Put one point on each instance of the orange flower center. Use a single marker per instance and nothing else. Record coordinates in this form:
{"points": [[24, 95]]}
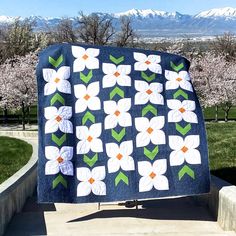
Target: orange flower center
{"points": [[85, 56], [149, 91], [117, 74], [58, 118], [60, 159], [179, 79], [91, 180], [150, 130], [148, 62], [86, 97], [119, 156], [56, 80], [182, 110], [90, 138], [117, 113], [184, 149], [152, 175]]}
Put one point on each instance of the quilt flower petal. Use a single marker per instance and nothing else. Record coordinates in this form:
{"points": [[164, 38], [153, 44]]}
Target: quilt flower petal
{"points": [[66, 168], [184, 150], [83, 189], [149, 131], [91, 181], [116, 74], [51, 168], [99, 173], [57, 80], [150, 62], [83, 147], [152, 175], [99, 188], [181, 111], [176, 80], [117, 113], [148, 92], [51, 152], [87, 97], [83, 174], [59, 160], [89, 138], [120, 156], [58, 118], [85, 58]]}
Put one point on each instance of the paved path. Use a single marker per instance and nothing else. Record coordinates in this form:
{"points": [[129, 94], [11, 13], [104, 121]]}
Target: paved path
{"points": [[177, 217], [17, 127]]}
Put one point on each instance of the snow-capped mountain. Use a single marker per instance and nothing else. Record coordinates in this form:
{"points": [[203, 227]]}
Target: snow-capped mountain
{"points": [[147, 13], [226, 12], [153, 23], [6, 19], [160, 23]]}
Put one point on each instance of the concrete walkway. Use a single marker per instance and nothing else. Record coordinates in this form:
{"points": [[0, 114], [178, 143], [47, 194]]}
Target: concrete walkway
{"points": [[17, 127], [177, 217]]}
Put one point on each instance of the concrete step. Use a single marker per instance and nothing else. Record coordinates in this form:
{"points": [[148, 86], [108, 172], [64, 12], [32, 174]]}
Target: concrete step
{"points": [[52, 223], [177, 217]]}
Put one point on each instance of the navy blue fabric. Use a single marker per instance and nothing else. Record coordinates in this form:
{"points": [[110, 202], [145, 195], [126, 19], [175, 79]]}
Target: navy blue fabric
{"points": [[187, 185]]}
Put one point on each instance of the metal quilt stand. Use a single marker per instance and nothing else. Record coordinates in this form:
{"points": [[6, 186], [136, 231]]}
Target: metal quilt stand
{"points": [[128, 204]]}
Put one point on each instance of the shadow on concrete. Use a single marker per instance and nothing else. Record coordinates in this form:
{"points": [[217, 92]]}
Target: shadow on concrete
{"points": [[30, 221], [166, 209], [227, 174]]}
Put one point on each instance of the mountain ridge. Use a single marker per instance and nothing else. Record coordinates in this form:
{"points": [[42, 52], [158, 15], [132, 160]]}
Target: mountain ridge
{"points": [[215, 12], [154, 23]]}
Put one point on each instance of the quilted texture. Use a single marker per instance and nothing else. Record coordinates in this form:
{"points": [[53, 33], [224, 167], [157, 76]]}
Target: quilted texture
{"points": [[118, 124]]}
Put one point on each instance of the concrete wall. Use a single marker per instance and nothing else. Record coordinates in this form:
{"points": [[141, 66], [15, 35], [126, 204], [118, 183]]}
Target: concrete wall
{"points": [[15, 190], [221, 201], [227, 208]]}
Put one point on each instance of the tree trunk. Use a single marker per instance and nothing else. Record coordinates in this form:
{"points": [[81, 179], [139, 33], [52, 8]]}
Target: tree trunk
{"points": [[216, 113], [23, 115], [5, 115], [226, 115], [226, 109], [28, 115]]}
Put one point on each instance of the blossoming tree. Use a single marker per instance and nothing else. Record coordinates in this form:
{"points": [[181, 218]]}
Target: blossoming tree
{"points": [[215, 81], [18, 84]]}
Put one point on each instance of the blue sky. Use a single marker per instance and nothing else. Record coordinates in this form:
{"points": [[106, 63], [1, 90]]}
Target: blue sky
{"points": [[72, 7]]}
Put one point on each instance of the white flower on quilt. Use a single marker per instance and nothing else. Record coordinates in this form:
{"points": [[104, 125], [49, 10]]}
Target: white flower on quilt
{"points": [[57, 80], [85, 58], [115, 75], [59, 160], [176, 80], [117, 113], [91, 181], [152, 175], [120, 156], [89, 138], [150, 62], [181, 110], [150, 131], [87, 97], [184, 150], [58, 119], [148, 92]]}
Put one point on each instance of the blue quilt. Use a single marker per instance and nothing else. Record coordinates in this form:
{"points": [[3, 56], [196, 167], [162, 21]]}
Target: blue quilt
{"points": [[118, 124]]}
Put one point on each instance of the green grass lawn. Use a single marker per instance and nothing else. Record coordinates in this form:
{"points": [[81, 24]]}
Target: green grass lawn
{"points": [[222, 150], [209, 113], [14, 154]]}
